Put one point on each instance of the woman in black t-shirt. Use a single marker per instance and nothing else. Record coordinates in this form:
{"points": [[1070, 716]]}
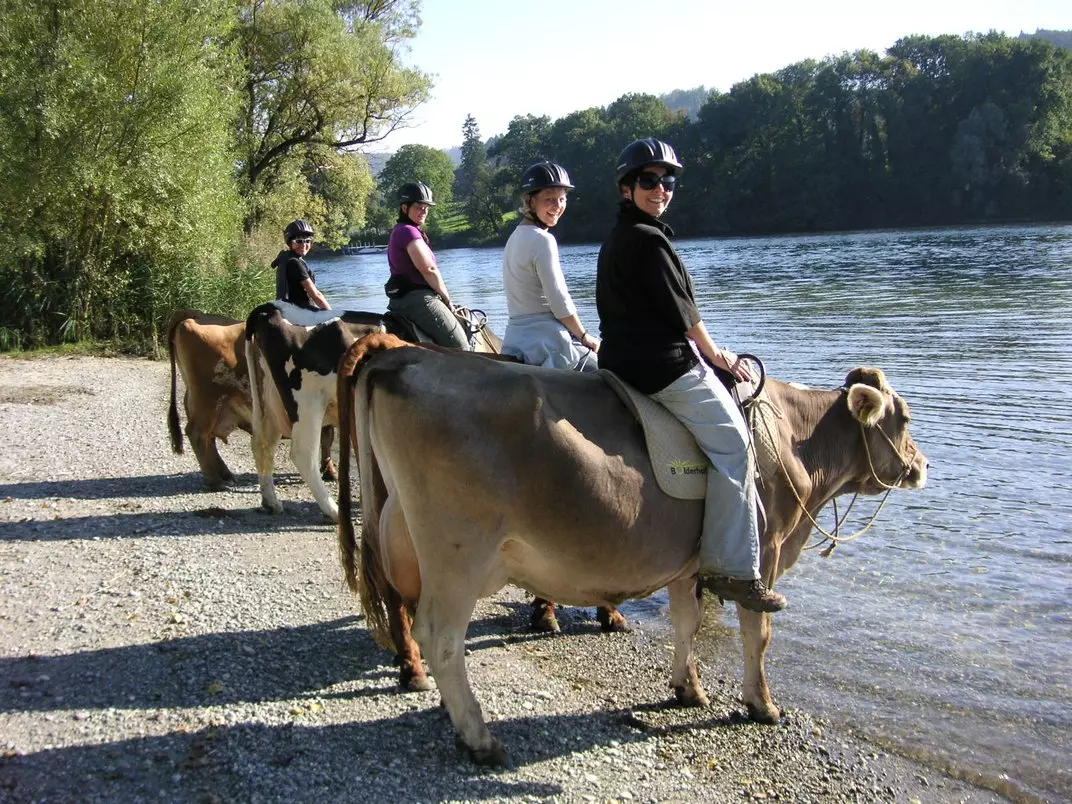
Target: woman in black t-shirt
{"points": [[295, 281]]}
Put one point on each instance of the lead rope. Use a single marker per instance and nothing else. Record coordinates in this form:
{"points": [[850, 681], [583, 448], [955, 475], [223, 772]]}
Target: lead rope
{"points": [[835, 538]]}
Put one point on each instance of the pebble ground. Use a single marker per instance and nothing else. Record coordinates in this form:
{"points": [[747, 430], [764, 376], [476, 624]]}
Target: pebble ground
{"points": [[160, 642]]}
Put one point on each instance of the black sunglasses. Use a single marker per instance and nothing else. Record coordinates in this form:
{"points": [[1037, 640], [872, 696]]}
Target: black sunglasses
{"points": [[649, 181], [305, 240]]}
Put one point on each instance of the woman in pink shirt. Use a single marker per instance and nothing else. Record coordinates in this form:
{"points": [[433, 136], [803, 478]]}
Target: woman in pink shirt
{"points": [[416, 289]]}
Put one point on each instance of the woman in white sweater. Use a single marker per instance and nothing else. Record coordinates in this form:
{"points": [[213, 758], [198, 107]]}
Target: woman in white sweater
{"points": [[544, 329]]}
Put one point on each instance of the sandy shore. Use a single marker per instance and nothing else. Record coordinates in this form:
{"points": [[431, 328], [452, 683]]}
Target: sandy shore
{"points": [[162, 642]]}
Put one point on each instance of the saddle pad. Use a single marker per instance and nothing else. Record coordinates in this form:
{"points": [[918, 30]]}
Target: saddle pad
{"points": [[301, 317], [680, 466]]}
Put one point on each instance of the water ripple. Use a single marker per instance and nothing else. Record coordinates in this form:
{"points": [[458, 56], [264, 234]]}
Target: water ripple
{"points": [[957, 602]]}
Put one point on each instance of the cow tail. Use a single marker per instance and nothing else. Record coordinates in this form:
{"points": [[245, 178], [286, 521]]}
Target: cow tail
{"points": [[347, 376], [174, 428], [368, 580]]}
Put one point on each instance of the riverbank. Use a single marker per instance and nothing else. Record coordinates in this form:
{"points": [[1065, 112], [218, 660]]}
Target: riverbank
{"points": [[158, 641]]}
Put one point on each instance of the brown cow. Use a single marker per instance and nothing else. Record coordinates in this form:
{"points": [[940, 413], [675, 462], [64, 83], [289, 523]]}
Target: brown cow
{"points": [[209, 353], [475, 474]]}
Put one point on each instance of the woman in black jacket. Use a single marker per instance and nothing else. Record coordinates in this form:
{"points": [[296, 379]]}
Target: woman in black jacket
{"points": [[654, 338]]}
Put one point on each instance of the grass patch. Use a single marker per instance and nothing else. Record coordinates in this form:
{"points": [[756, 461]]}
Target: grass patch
{"points": [[81, 349], [451, 219]]}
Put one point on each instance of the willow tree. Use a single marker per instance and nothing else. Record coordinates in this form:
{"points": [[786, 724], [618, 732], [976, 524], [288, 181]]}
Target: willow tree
{"points": [[116, 171], [318, 77]]}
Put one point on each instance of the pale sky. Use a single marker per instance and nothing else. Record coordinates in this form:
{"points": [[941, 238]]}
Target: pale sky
{"points": [[496, 59]]}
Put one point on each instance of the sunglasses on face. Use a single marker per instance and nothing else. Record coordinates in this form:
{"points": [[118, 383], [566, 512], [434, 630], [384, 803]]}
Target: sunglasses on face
{"points": [[649, 181], [303, 240]]}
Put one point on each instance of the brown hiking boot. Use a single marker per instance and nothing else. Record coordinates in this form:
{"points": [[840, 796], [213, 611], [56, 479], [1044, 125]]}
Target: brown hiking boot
{"points": [[752, 594]]}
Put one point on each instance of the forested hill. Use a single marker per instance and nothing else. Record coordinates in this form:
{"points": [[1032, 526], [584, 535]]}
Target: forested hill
{"points": [[938, 130], [687, 101], [1059, 38]]}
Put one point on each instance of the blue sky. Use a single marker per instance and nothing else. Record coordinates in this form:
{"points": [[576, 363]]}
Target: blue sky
{"points": [[496, 59]]}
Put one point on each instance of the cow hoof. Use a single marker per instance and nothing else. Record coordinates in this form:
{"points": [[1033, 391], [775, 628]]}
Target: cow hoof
{"points": [[494, 756], [611, 621], [545, 622], [272, 509], [415, 683], [688, 695], [768, 715], [329, 472]]}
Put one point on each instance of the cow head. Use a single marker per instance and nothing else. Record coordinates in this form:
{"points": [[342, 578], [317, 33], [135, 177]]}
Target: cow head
{"points": [[893, 459]]}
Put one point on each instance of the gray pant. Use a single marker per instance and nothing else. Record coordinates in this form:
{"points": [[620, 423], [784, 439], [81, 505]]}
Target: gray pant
{"points": [[425, 309], [729, 544]]}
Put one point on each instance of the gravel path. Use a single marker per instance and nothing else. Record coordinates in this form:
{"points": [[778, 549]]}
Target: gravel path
{"points": [[162, 642]]}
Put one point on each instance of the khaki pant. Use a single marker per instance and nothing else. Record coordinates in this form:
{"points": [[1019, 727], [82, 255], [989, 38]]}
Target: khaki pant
{"points": [[425, 309], [729, 544]]}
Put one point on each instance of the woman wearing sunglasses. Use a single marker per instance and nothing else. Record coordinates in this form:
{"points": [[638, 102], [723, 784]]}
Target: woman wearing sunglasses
{"points": [[295, 281], [543, 329], [654, 338]]}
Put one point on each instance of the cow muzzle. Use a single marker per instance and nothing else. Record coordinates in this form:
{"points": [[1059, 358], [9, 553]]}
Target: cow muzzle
{"points": [[916, 476]]}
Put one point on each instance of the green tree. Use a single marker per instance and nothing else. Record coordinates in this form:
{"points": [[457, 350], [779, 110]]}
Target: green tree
{"points": [[418, 163], [474, 161], [476, 186], [524, 143], [116, 174], [317, 74]]}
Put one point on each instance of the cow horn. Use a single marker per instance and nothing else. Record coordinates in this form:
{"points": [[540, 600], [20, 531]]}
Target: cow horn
{"points": [[867, 404], [868, 376]]}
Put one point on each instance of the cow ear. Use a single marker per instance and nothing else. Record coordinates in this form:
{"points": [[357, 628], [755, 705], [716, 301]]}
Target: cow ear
{"points": [[867, 404], [868, 376]]}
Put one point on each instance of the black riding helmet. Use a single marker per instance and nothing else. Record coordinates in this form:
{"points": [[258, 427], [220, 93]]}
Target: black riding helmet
{"points": [[297, 228], [542, 175], [641, 153], [414, 192]]}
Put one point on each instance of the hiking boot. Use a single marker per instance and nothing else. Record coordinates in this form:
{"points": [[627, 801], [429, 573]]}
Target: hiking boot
{"points": [[752, 594]]}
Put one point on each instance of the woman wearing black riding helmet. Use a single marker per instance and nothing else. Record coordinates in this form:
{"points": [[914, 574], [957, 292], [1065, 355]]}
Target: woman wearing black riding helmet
{"points": [[295, 281], [544, 329], [416, 289], [654, 338]]}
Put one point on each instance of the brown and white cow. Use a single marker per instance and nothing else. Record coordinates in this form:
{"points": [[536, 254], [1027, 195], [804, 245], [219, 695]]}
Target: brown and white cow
{"points": [[296, 353], [475, 474], [209, 352]]}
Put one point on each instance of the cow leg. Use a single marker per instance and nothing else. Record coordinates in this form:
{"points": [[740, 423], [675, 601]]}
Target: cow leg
{"points": [[411, 675], [610, 619], [305, 453], [685, 616], [214, 471], [327, 466], [543, 618], [399, 562], [756, 634], [443, 616]]}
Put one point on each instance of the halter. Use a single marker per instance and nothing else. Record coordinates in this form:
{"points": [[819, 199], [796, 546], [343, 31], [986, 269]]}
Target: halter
{"points": [[836, 538]]}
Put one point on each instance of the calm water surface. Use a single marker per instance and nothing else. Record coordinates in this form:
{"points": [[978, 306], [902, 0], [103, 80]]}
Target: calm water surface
{"points": [[945, 633]]}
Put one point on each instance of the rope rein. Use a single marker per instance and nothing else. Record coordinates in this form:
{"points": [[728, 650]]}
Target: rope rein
{"points": [[834, 538]]}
